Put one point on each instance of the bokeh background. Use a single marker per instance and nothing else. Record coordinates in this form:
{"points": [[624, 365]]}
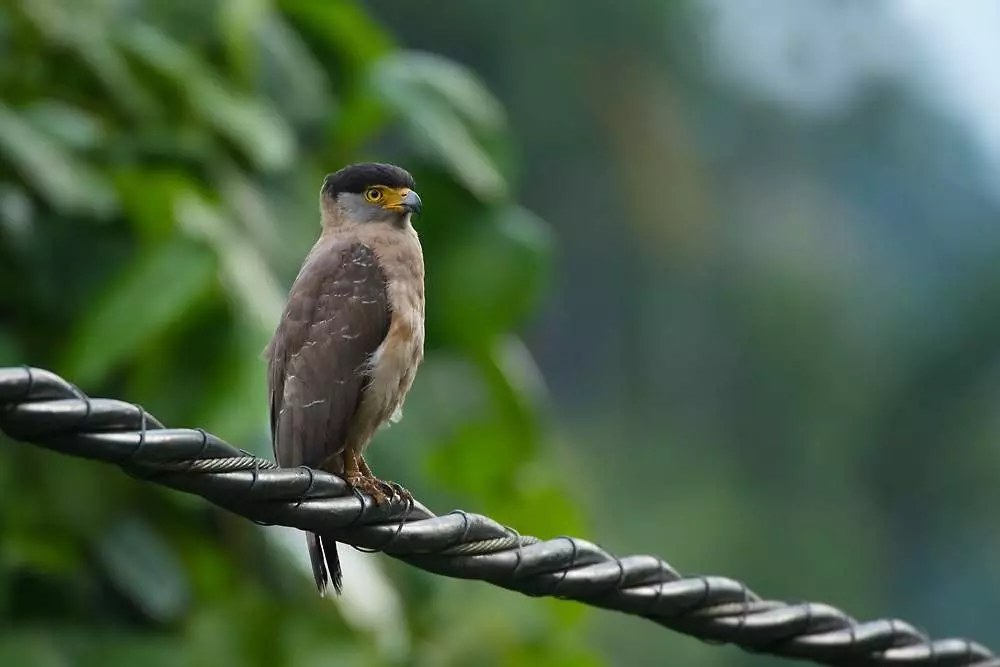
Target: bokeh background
{"points": [[713, 280]]}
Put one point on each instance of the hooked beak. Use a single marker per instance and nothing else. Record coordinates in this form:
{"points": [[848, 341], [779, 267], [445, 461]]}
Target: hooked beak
{"points": [[411, 202]]}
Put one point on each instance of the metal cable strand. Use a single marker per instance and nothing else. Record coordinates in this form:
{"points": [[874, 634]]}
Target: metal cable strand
{"points": [[39, 407]]}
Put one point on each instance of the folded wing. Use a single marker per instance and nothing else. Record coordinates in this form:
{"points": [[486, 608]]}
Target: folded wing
{"points": [[337, 315]]}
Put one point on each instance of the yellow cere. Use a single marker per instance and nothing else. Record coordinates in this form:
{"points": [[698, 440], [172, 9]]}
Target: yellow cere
{"points": [[386, 196]]}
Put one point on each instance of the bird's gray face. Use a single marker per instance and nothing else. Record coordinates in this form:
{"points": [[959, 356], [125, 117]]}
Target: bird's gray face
{"points": [[379, 203]]}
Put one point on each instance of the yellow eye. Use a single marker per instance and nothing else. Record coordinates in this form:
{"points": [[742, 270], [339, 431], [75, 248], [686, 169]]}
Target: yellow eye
{"points": [[373, 194]]}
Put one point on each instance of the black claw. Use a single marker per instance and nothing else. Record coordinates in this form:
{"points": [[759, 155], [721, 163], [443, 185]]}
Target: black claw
{"points": [[354, 485], [391, 489], [399, 493]]}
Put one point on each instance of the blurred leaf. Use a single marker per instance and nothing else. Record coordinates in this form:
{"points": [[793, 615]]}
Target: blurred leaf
{"points": [[100, 649], [446, 109], [480, 460], [237, 394], [474, 625], [208, 126], [17, 217], [488, 283], [294, 80], [251, 209], [153, 292], [70, 126], [66, 183], [249, 123], [144, 569], [456, 85], [561, 655], [451, 390], [10, 348], [516, 382], [250, 282], [84, 28], [543, 509], [147, 197], [344, 26], [240, 21], [30, 650], [362, 116], [35, 552], [484, 455]]}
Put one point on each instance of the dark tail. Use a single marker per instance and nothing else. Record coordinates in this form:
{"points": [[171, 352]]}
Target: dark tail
{"points": [[325, 562]]}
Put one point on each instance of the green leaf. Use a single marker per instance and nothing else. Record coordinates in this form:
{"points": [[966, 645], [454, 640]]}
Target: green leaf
{"points": [[451, 116], [69, 125], [31, 650], [251, 210], [485, 454], [239, 381], [10, 348], [37, 552], [17, 218], [106, 648], [344, 26], [246, 275], [480, 460], [239, 23], [293, 78], [248, 122], [456, 85], [489, 282], [84, 28], [148, 296], [147, 197], [68, 184], [516, 385], [144, 568]]}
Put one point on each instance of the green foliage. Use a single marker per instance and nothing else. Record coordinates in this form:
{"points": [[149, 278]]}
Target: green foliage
{"points": [[159, 170]]}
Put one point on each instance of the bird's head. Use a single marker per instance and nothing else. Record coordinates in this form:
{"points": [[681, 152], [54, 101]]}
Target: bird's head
{"points": [[368, 193]]}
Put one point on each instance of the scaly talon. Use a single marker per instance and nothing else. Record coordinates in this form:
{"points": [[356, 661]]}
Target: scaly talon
{"points": [[369, 486]]}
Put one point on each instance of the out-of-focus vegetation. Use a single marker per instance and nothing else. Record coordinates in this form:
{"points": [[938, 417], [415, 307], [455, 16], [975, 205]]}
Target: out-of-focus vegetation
{"points": [[774, 333], [160, 164], [770, 329]]}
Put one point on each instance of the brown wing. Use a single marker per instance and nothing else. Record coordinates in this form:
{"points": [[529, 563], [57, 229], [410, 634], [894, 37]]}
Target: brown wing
{"points": [[337, 316]]}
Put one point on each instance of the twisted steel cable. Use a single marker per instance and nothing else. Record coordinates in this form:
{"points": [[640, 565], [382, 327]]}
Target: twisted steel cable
{"points": [[39, 407]]}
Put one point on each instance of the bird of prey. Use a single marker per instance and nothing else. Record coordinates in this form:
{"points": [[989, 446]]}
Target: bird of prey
{"points": [[351, 337]]}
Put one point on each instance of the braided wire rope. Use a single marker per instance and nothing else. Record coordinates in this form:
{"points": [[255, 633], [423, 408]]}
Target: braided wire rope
{"points": [[38, 406]]}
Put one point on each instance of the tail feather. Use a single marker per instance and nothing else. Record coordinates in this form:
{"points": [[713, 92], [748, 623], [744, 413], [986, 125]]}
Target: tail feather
{"points": [[325, 562]]}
